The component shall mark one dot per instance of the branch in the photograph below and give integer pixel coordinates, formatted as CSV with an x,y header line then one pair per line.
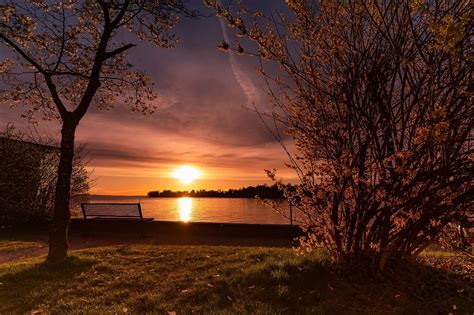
x,y
68,73
121,14
52,87
54,93
118,51
100,57
105,10
63,41
22,53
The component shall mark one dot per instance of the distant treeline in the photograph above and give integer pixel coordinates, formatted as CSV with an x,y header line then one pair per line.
x,y
262,191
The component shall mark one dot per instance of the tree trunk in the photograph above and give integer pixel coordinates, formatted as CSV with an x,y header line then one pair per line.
x,y
58,244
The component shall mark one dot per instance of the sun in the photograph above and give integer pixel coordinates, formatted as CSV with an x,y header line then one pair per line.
x,y
186,174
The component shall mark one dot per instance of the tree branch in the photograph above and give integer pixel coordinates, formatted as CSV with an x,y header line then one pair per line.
x,y
22,53
63,40
54,93
105,10
118,51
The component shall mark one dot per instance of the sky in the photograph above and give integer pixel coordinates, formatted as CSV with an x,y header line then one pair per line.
x,y
201,119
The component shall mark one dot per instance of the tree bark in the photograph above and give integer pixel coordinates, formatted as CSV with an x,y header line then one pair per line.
x,y
58,243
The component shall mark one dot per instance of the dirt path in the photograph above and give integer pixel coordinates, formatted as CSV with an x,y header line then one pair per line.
x,y
15,250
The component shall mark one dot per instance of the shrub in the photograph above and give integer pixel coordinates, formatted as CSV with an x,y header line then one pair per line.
x,y
377,97
28,175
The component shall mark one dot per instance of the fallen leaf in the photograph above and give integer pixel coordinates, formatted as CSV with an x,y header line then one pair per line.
x,y
125,310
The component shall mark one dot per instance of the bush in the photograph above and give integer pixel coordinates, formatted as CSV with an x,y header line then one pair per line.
x,y
377,98
28,175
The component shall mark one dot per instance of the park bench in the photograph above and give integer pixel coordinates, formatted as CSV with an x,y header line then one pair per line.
x,y
116,212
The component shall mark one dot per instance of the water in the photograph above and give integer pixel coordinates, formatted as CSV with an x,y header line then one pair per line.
x,y
221,210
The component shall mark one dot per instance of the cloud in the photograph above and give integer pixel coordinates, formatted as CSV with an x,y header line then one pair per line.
x,y
243,80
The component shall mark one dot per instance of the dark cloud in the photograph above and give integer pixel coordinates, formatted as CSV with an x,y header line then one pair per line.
x,y
123,156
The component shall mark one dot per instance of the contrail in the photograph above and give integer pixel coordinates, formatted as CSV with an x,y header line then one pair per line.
x,y
245,84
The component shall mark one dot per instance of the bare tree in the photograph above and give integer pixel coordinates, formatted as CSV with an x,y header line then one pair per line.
x,y
377,96
70,54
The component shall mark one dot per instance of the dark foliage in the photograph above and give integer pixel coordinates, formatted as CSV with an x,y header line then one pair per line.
x,y
260,191
28,177
20,178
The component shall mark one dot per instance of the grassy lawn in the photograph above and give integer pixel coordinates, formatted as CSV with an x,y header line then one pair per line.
x,y
141,279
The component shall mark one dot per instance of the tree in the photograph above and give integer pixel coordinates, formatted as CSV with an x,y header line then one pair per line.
x,y
377,97
71,54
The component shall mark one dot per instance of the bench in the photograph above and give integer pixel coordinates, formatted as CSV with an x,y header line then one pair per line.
x,y
113,211
123,212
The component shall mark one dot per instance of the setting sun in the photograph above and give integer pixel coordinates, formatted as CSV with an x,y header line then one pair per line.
x,y
186,174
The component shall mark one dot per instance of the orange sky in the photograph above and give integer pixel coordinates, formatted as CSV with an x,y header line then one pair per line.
x,y
150,167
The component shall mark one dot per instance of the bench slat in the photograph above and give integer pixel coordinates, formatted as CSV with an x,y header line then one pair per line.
x,y
117,219
112,210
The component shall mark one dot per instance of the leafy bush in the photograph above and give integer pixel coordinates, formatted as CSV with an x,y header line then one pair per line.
x,y
28,175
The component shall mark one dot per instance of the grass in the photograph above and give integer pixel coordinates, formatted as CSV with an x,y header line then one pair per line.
x,y
141,279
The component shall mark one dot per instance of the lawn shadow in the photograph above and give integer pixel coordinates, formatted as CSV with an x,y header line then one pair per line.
x,y
26,286
426,287
302,285
299,284
269,284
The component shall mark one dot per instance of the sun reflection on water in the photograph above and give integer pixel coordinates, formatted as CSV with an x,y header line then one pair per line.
x,y
185,207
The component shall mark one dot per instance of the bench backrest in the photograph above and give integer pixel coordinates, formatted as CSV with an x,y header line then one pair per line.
x,y
112,210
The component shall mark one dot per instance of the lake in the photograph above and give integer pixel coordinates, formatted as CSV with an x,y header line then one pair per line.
x,y
221,210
